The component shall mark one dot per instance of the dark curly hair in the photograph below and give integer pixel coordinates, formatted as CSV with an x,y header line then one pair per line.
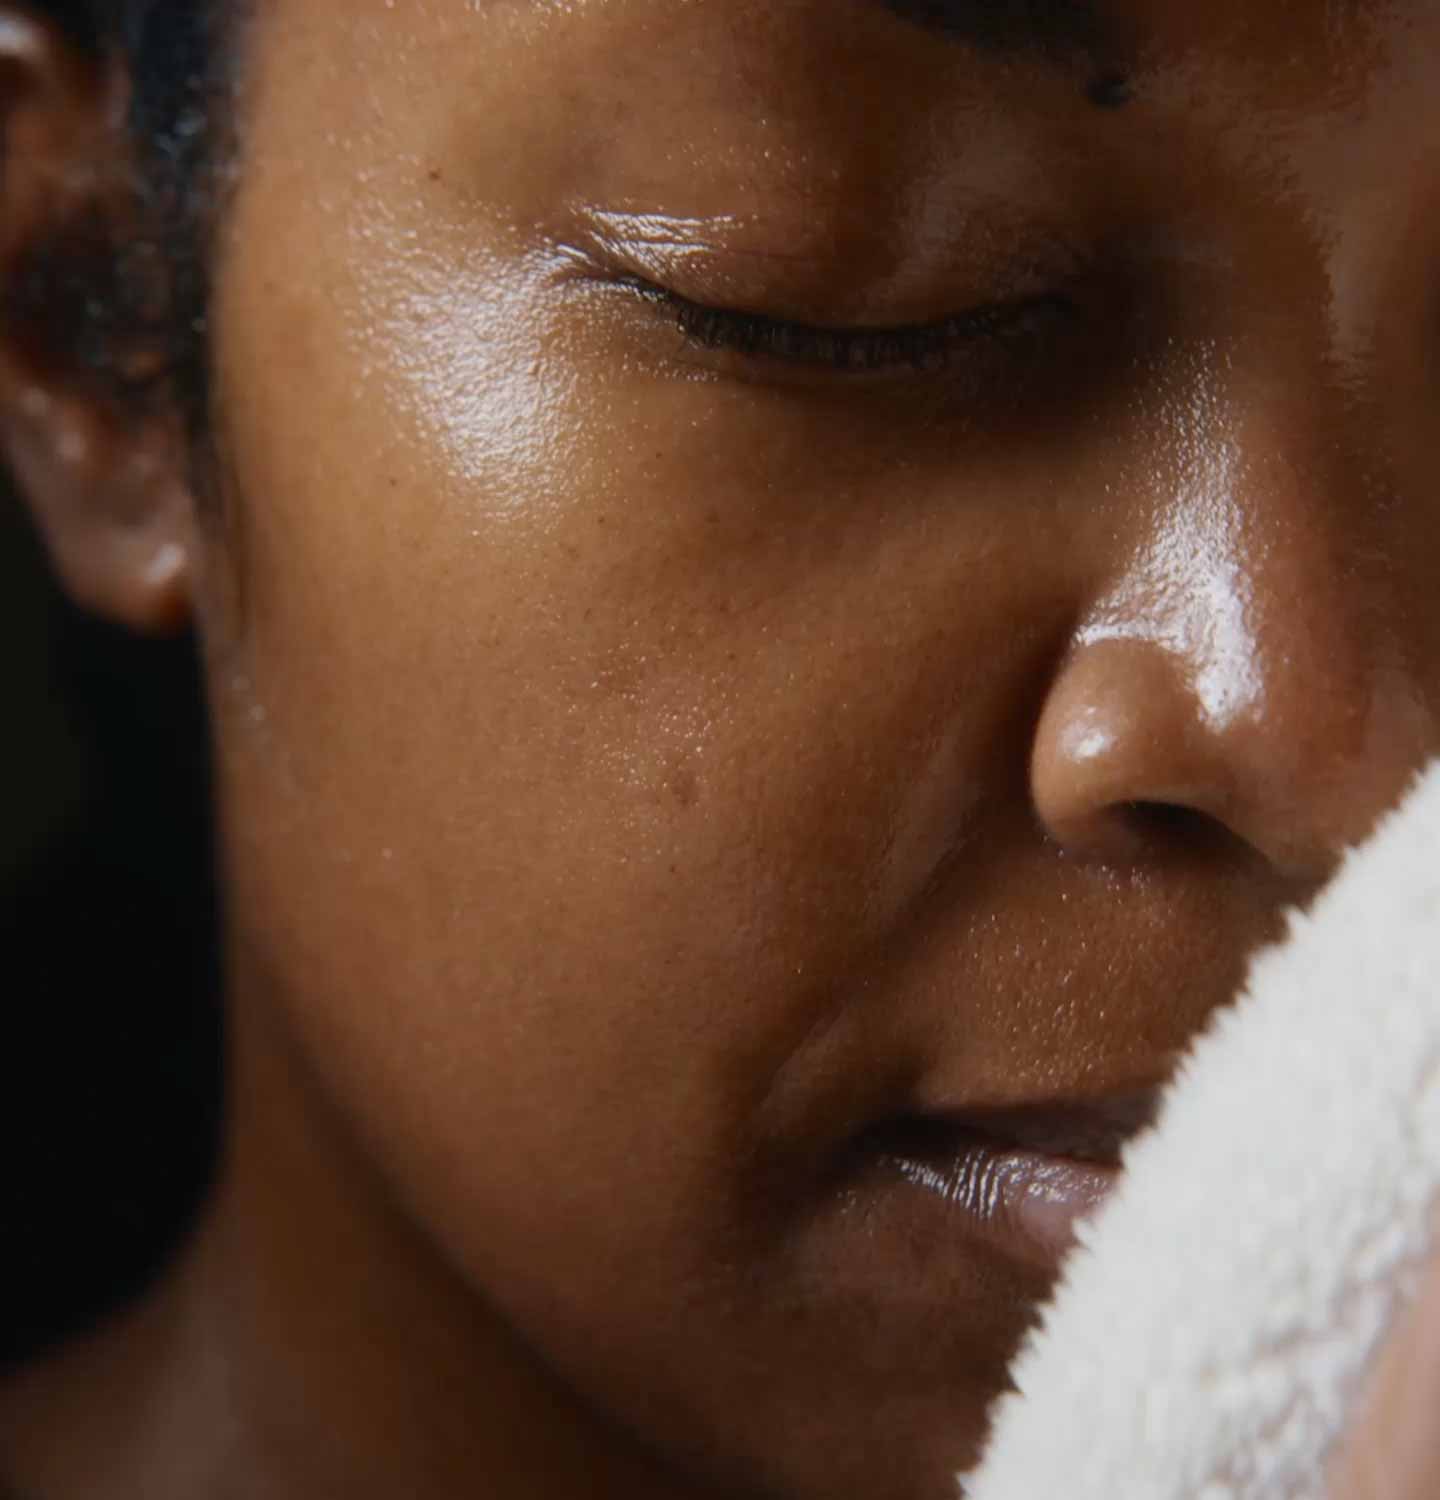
x,y
131,309
110,1067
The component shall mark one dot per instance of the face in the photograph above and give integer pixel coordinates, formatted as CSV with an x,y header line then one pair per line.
x,y
793,593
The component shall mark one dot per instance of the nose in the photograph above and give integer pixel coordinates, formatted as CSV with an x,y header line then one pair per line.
x,y
1245,680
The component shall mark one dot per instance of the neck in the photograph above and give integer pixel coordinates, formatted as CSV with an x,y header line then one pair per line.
x,y
308,1342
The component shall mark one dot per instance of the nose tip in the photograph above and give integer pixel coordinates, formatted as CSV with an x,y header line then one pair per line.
x,y
1129,758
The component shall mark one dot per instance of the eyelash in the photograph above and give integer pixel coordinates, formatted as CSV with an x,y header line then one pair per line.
x,y
924,348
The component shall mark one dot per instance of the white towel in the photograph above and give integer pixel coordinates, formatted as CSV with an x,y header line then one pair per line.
x,y
1211,1335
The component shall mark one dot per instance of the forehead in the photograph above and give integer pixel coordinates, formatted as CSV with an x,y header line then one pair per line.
x,y
997,26
804,81
979,43
1007,25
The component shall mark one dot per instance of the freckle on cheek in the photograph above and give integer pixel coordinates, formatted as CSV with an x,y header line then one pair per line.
x,y
684,786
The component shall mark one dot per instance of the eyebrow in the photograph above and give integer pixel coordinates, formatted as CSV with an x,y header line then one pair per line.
x,y
1055,29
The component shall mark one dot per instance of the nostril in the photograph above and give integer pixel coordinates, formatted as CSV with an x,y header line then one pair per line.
x,y
1174,824
1164,820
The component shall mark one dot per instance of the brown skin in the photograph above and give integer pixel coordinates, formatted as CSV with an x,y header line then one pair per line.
x,y
642,767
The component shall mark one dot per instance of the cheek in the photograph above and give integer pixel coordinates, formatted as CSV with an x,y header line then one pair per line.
x,y
586,704
582,737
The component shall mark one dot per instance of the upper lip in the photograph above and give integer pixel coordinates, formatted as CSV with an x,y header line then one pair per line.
x,y
1084,1130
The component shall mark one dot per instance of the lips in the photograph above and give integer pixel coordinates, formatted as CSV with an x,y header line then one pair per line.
x,y
1023,1177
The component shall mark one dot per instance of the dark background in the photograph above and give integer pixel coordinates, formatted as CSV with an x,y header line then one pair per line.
x,y
109,1041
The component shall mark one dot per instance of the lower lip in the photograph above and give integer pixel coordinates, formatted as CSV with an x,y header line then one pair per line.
x,y
1027,1204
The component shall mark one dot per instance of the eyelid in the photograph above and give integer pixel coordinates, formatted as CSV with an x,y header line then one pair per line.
x,y
855,349
655,241
719,262
810,309
804,269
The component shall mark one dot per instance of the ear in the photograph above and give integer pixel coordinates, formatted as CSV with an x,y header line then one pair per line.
x,y
104,469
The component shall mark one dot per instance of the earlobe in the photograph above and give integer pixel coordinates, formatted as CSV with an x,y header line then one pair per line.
x,y
104,470
115,514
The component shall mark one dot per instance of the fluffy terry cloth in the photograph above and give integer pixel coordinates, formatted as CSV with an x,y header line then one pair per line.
x,y
1215,1327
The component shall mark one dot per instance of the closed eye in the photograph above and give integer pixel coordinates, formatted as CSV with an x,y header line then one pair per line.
x,y
922,348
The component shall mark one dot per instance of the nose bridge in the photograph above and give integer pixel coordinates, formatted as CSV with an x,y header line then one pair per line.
x,y
1258,585
1247,662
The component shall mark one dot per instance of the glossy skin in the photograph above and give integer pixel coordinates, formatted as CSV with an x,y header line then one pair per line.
x,y
644,766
